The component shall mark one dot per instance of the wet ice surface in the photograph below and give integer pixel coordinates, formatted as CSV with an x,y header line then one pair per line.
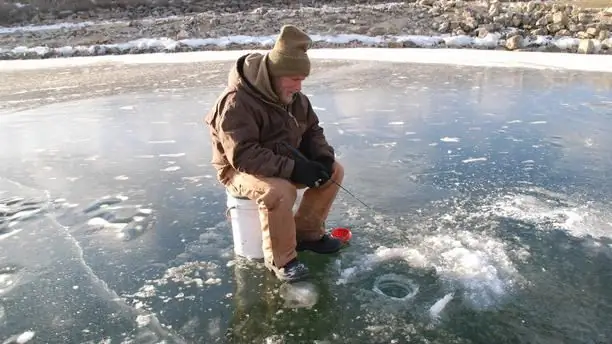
x,y
492,191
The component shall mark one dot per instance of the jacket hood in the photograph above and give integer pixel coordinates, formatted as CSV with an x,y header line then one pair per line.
x,y
251,72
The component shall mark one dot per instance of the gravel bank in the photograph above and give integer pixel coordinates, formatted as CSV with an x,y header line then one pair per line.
x,y
166,26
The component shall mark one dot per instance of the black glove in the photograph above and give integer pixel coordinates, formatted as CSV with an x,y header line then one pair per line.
x,y
309,173
329,165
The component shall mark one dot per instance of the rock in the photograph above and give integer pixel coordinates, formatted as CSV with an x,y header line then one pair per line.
x,y
494,9
426,2
603,35
481,32
543,21
183,34
444,27
563,33
574,28
553,28
531,6
377,31
470,24
583,18
514,42
586,46
592,31
560,18
583,35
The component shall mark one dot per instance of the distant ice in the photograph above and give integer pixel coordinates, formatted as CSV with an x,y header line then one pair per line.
x,y
449,139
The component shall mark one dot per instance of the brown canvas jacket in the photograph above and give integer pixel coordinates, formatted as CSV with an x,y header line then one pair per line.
x,y
248,125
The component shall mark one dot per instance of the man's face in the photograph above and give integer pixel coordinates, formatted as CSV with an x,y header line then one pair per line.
x,y
287,86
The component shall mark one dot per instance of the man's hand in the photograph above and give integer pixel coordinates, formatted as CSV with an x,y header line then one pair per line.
x,y
309,173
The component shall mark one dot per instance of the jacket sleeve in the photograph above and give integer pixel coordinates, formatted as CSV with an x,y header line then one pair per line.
x,y
238,133
314,143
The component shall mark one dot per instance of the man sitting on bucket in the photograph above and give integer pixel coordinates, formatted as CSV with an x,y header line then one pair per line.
x,y
261,111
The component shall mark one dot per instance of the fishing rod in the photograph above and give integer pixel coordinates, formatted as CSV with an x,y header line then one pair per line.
x,y
301,156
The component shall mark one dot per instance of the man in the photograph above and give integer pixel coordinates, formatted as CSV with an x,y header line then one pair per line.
x,y
260,112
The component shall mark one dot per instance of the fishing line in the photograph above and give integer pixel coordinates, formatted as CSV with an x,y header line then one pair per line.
x,y
301,156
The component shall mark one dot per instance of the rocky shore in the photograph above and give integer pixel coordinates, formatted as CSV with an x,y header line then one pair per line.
x,y
144,27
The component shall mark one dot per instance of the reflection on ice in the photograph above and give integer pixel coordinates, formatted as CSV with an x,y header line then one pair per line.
x,y
299,295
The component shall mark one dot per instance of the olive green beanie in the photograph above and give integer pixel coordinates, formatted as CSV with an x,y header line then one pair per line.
x,y
288,56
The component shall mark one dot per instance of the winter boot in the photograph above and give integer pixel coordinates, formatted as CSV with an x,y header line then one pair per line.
x,y
324,245
292,272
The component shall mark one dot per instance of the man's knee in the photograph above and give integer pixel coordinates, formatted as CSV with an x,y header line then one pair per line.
x,y
338,173
278,193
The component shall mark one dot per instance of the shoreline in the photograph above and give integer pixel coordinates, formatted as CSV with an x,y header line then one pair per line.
x,y
512,26
491,41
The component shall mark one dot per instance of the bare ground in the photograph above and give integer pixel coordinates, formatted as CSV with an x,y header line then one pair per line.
x,y
12,12
46,11
587,3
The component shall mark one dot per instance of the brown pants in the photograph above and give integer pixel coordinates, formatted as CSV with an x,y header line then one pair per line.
x,y
276,198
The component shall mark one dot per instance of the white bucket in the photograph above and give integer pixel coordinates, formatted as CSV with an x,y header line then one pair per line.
x,y
246,227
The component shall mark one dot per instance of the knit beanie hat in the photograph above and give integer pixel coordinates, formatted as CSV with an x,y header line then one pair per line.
x,y
288,56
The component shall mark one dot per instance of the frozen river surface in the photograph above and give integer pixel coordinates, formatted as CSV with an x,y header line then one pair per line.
x,y
493,223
